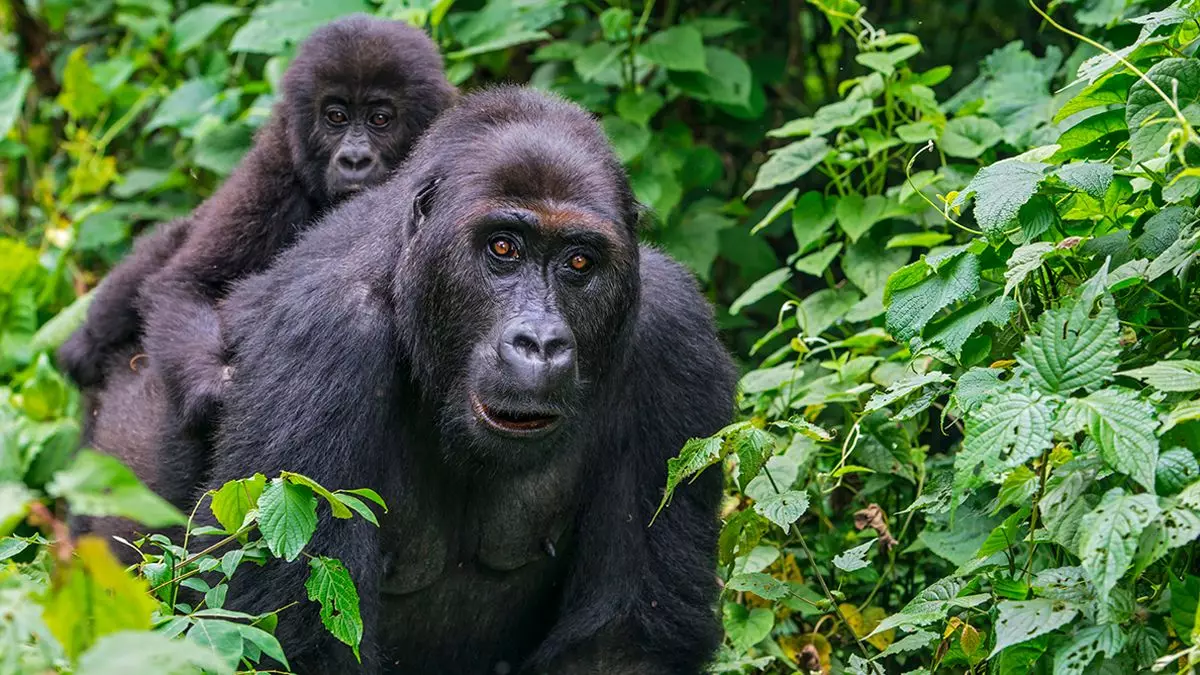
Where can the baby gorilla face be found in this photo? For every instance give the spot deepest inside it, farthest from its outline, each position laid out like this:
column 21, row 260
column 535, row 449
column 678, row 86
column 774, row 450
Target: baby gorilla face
column 359, row 134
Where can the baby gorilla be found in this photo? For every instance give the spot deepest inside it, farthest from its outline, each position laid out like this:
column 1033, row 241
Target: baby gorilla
column 484, row 342
column 356, row 98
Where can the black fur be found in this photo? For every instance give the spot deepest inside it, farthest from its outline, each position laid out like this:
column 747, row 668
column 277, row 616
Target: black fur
column 162, row 298
column 355, row 355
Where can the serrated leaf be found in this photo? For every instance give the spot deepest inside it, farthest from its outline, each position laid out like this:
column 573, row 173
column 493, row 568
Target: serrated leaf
column 918, row 639
column 1109, row 536
column 974, row 386
column 763, row 585
column 1123, row 425
column 783, row 508
column 1177, row 468
column 753, row 448
column 330, row 584
column 1176, row 375
column 1072, row 350
column 969, row 136
column 1092, row 178
column 1006, row 432
column 1164, row 229
column 913, row 307
column 235, row 499
column 928, row 606
column 789, row 163
column 287, row 517
column 1111, row 89
column 1019, row 621
column 1024, row 260
column 853, row 559
column 1000, row 190
column 955, row 330
column 1150, row 118
column 761, row 289
column 697, row 455
column 1074, row 657
column 903, row 387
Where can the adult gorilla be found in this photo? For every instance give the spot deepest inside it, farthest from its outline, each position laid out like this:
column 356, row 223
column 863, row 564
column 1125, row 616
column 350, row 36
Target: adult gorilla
column 355, row 99
column 483, row 341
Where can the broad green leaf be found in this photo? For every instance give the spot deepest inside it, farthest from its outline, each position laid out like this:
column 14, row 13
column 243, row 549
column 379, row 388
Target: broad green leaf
column 753, row 448
column 1123, row 425
column 1111, row 89
column 918, row 240
column 1109, row 536
column 696, row 240
column 339, row 509
column 812, row 218
column 885, row 62
column 1072, row 350
column 916, row 132
column 822, row 309
column 370, row 494
column 220, row 148
column 974, row 386
column 763, row 585
column 1011, row 429
column 790, row 162
column 1023, row 261
column 355, row 504
column 969, row 136
column 1000, row 190
column 141, row 651
column 15, row 500
column 1175, row 375
column 952, row 333
column 746, row 628
column 857, row 214
column 1150, row 118
column 783, row 508
column 677, row 48
column 94, row 596
column 902, row 388
column 761, row 289
column 816, row 263
column 287, row 517
column 628, row 139
column 727, row 82
column 235, row 499
column 697, row 455
column 1092, row 178
column 1094, row 137
column 264, row 641
column 81, row 96
column 194, row 26
column 868, row 264
column 184, row 105
column 330, row 584
column 219, row 639
column 99, row 485
column 276, row 26
column 1074, row 657
column 510, row 39
column 1036, row 218
column 639, row 107
column 853, row 559
column 827, row 118
column 1177, row 468
column 1019, row 621
column 1164, row 229
column 782, row 206
column 913, row 307
column 13, row 88
column 928, row 606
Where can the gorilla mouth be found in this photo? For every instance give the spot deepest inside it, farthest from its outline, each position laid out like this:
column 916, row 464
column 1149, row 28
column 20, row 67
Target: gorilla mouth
column 514, row 422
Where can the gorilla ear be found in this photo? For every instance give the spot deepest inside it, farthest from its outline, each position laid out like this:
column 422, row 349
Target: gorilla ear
column 423, row 202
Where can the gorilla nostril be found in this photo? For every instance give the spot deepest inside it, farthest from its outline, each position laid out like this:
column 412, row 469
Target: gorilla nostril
column 355, row 162
column 556, row 347
column 526, row 344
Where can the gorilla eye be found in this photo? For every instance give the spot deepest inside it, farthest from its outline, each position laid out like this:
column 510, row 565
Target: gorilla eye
column 503, row 248
column 580, row 262
column 336, row 116
column 379, row 120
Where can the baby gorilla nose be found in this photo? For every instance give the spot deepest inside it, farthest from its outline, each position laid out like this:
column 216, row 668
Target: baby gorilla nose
column 537, row 355
column 355, row 163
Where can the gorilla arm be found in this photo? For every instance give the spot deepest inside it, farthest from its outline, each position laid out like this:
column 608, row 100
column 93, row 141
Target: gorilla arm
column 649, row 594
column 113, row 319
column 315, row 354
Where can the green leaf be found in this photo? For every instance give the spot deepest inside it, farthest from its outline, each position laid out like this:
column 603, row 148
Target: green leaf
column 370, row 494
column 148, row 652
column 916, row 133
column 220, row 148
column 264, row 641
column 902, row 388
column 746, row 628
column 782, row 206
column 970, row 136
column 816, row 263
column 764, row 586
column 857, row 214
column 822, row 309
column 1111, row 89
column 1074, row 657
column 194, row 26
column 728, row 81
column 1023, row 261
column 677, row 48
column 235, row 499
column 928, row 606
column 697, row 455
column 13, row 88
column 1091, row 177
column 790, row 162
column 868, row 264
column 1000, row 190
column 355, row 504
column 276, row 26
column 1006, row 432
column 812, row 218
column 184, row 105
column 99, row 485
column 783, row 508
column 330, row 584
column 885, row 62
column 918, row 240
column 761, row 289
column 913, row 307
column 1177, row 468
column 639, row 107
column 853, row 559
column 628, row 139
column 828, row 118
column 1123, row 425
column 56, row 331
column 1019, row 621
column 287, row 517
column 1109, row 536
column 753, row 448
column 1071, row 349
column 695, row 241
column 1176, row 375
column 1150, row 118
column 954, row 332
column 220, row 639
column 1164, row 229
column 339, row 509
column 1036, row 218
column 1094, row 137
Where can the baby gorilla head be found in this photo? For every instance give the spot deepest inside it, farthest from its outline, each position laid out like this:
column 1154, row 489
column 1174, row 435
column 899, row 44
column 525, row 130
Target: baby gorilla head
column 357, row 97
column 521, row 278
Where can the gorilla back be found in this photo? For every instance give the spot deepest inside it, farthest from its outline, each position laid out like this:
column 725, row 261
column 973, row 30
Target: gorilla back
column 512, row 372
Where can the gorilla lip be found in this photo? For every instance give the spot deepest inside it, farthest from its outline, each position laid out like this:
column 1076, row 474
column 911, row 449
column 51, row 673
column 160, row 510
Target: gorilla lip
column 512, row 423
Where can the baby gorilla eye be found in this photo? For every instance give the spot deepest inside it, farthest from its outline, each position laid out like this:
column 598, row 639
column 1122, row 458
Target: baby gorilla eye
column 580, row 262
column 502, row 247
column 336, row 116
column 379, row 120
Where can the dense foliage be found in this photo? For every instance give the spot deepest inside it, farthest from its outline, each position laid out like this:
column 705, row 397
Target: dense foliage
column 958, row 273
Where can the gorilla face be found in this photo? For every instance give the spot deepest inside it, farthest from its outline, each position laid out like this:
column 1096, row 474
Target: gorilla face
column 359, row 138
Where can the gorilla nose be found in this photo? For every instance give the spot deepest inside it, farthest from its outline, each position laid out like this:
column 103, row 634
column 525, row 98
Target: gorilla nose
column 355, row 163
column 539, row 355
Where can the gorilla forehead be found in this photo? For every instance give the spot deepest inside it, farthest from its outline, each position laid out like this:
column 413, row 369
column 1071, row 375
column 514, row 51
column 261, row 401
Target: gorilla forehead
column 360, row 54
